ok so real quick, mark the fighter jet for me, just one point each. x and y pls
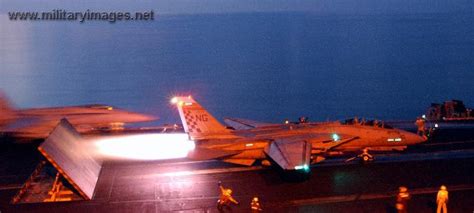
(291, 146)
(37, 123)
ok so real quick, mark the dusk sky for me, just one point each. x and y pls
(218, 6)
(328, 59)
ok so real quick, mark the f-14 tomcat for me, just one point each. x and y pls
(37, 123)
(291, 146)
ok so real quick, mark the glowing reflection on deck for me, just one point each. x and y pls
(145, 146)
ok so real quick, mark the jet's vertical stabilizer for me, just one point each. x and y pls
(6, 111)
(197, 122)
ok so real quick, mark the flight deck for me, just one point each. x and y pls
(334, 186)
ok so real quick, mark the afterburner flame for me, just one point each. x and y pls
(145, 146)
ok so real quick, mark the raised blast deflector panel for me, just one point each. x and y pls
(65, 150)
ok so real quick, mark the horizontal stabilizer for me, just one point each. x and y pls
(317, 159)
(244, 162)
(243, 124)
(206, 154)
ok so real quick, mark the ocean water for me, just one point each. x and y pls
(264, 66)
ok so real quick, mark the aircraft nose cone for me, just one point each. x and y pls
(143, 117)
(412, 138)
(136, 117)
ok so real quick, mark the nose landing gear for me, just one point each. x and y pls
(367, 158)
(364, 157)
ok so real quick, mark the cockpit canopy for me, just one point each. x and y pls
(366, 122)
(100, 106)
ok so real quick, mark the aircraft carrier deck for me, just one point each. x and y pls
(335, 186)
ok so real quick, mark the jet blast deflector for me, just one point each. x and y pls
(65, 150)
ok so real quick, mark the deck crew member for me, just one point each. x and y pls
(225, 198)
(442, 199)
(420, 123)
(402, 199)
(255, 206)
(356, 121)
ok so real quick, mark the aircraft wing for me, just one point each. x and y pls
(243, 124)
(30, 127)
(290, 154)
